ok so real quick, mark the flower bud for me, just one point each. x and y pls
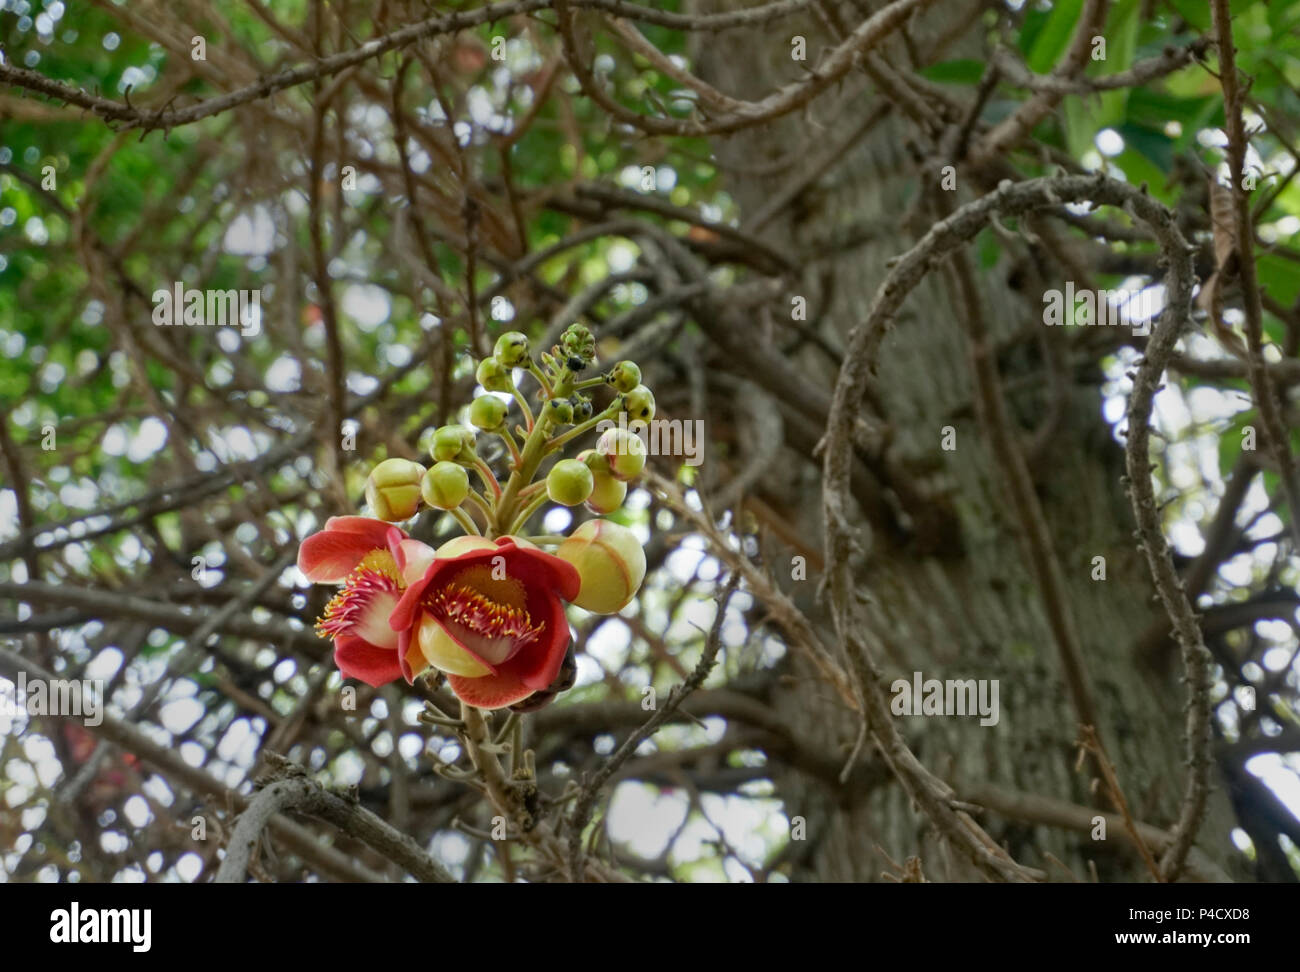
(607, 493)
(511, 348)
(452, 442)
(445, 486)
(488, 412)
(624, 452)
(581, 408)
(639, 403)
(569, 482)
(393, 489)
(610, 564)
(463, 545)
(624, 376)
(576, 341)
(561, 411)
(494, 376)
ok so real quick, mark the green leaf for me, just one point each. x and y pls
(988, 250)
(1035, 21)
(1053, 40)
(1195, 12)
(1121, 43)
(962, 71)
(1154, 145)
(1154, 109)
(1281, 277)
(1138, 168)
(1079, 128)
(1230, 440)
(1283, 16)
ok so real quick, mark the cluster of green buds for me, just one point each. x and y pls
(561, 410)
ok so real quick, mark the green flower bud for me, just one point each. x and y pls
(624, 376)
(607, 493)
(493, 376)
(569, 482)
(488, 412)
(445, 485)
(581, 408)
(393, 489)
(610, 564)
(511, 348)
(639, 403)
(452, 442)
(624, 452)
(576, 341)
(561, 411)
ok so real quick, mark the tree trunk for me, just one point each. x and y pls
(961, 603)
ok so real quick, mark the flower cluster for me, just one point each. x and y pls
(487, 609)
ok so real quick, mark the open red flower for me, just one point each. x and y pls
(491, 616)
(374, 561)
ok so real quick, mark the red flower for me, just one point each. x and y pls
(374, 561)
(491, 616)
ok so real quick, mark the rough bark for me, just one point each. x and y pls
(959, 604)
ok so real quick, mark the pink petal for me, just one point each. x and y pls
(357, 658)
(375, 530)
(407, 611)
(328, 557)
(408, 648)
(490, 691)
(372, 624)
(539, 663)
(403, 648)
(413, 560)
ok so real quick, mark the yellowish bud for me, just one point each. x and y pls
(610, 563)
(393, 489)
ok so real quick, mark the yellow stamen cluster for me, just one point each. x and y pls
(461, 604)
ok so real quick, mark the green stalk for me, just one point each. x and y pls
(532, 490)
(529, 510)
(542, 380)
(534, 451)
(465, 520)
(489, 514)
(523, 406)
(523, 473)
(510, 441)
(489, 478)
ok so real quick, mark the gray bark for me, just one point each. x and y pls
(951, 610)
